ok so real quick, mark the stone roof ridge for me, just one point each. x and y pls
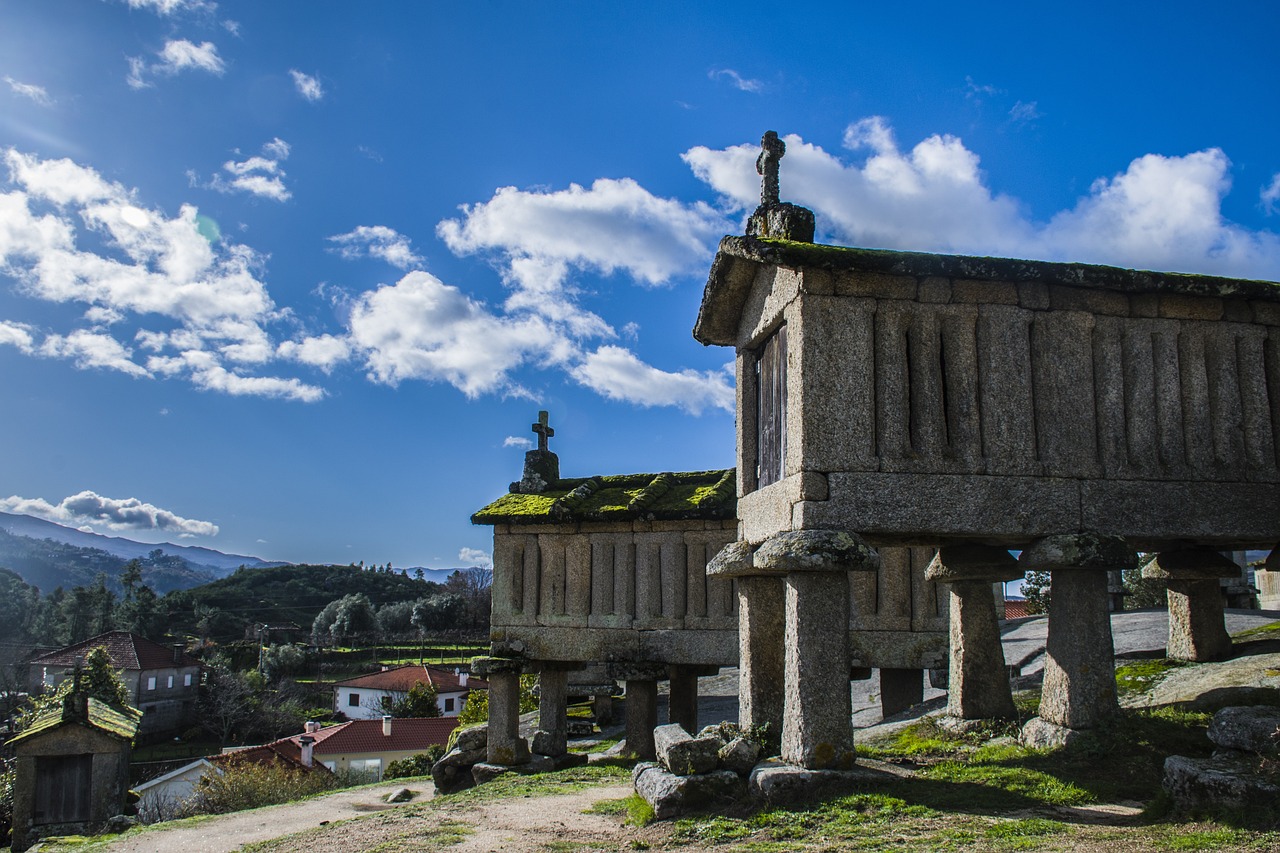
(649, 495)
(564, 507)
(608, 497)
(118, 722)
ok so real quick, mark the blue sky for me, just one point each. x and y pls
(293, 279)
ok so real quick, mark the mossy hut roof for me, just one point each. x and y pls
(120, 723)
(706, 495)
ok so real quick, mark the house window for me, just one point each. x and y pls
(367, 767)
(186, 680)
(332, 765)
(151, 682)
(354, 700)
(62, 784)
(169, 685)
(771, 408)
(448, 705)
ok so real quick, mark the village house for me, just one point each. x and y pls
(163, 682)
(367, 696)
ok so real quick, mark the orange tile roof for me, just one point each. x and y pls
(127, 651)
(1015, 608)
(401, 678)
(361, 736)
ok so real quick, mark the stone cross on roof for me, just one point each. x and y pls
(771, 150)
(544, 432)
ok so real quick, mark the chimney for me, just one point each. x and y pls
(462, 678)
(386, 726)
(178, 649)
(311, 727)
(307, 742)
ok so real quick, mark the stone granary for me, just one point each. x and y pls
(1075, 412)
(72, 769)
(612, 570)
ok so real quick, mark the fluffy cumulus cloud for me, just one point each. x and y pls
(29, 91)
(1162, 212)
(618, 374)
(259, 175)
(170, 7)
(308, 87)
(475, 557)
(195, 309)
(517, 441)
(176, 56)
(89, 510)
(376, 241)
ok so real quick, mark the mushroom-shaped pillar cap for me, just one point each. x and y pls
(486, 666)
(972, 563)
(733, 561)
(815, 551)
(1097, 551)
(1191, 564)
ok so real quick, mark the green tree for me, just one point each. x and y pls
(98, 678)
(1143, 592)
(420, 701)
(1036, 589)
(228, 701)
(354, 618)
(283, 661)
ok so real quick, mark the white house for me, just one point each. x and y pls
(362, 698)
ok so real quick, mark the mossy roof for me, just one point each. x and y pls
(738, 258)
(121, 723)
(706, 495)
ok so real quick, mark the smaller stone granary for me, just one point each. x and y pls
(72, 769)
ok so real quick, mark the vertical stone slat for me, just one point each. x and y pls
(960, 379)
(551, 591)
(1062, 367)
(1271, 357)
(624, 577)
(1139, 401)
(1259, 437)
(648, 580)
(1166, 361)
(602, 576)
(893, 384)
(1196, 419)
(1004, 388)
(695, 578)
(1226, 407)
(674, 576)
(1110, 369)
(532, 559)
(928, 417)
(577, 578)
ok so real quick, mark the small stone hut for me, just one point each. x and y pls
(72, 769)
(1075, 412)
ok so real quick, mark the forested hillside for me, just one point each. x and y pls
(48, 564)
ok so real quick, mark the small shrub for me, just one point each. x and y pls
(248, 786)
(417, 765)
(7, 772)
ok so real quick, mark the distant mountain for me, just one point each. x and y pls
(38, 528)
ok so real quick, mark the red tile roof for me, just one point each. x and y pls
(127, 651)
(1015, 608)
(361, 736)
(399, 679)
(282, 753)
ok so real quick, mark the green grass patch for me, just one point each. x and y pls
(635, 810)
(1015, 830)
(1140, 676)
(543, 784)
(1206, 839)
(1268, 631)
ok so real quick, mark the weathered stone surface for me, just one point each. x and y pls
(1249, 729)
(1190, 564)
(1078, 551)
(978, 685)
(1245, 680)
(505, 745)
(683, 754)
(733, 560)
(739, 755)
(472, 738)
(403, 795)
(552, 736)
(973, 563)
(682, 697)
(452, 772)
(816, 551)
(761, 652)
(816, 728)
(642, 717)
(1224, 781)
(1040, 733)
(671, 795)
(777, 782)
(484, 772)
(1197, 631)
(1079, 672)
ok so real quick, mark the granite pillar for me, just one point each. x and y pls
(505, 746)
(1197, 631)
(552, 736)
(642, 717)
(682, 698)
(978, 681)
(761, 630)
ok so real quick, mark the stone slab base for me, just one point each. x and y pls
(1224, 781)
(671, 795)
(1042, 734)
(486, 772)
(776, 782)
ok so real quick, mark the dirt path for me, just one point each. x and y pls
(229, 832)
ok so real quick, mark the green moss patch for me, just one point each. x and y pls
(1141, 676)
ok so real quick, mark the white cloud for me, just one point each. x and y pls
(169, 7)
(261, 176)
(517, 441)
(422, 328)
(176, 56)
(475, 557)
(323, 351)
(88, 508)
(1024, 113)
(308, 87)
(30, 91)
(737, 80)
(1270, 194)
(616, 373)
(1161, 212)
(377, 241)
(212, 307)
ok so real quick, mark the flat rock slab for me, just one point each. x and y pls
(1224, 781)
(1250, 729)
(671, 795)
(1246, 680)
(775, 782)
(1042, 734)
(683, 754)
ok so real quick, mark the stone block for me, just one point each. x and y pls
(900, 689)
(1179, 307)
(739, 755)
(934, 289)
(1237, 311)
(1221, 782)
(973, 563)
(816, 551)
(1266, 313)
(1090, 551)
(472, 738)
(1144, 305)
(1190, 564)
(683, 754)
(1064, 298)
(875, 285)
(984, 292)
(776, 782)
(452, 772)
(816, 728)
(484, 772)
(733, 560)
(1249, 729)
(1039, 733)
(1033, 295)
(671, 795)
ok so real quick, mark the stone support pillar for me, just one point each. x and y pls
(505, 745)
(1197, 631)
(900, 689)
(641, 704)
(1079, 671)
(552, 736)
(978, 683)
(682, 700)
(761, 630)
(1115, 590)
(817, 732)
